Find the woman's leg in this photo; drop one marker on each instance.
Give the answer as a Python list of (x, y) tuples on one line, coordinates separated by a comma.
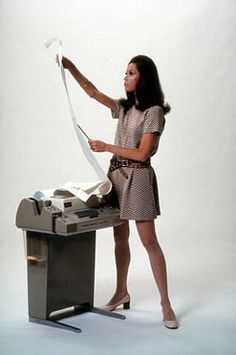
[(147, 233), (122, 256)]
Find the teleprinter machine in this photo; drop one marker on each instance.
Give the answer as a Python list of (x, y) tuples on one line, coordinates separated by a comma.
[(60, 239), (65, 215)]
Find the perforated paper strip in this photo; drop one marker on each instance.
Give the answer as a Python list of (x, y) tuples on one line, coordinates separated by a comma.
[(81, 190)]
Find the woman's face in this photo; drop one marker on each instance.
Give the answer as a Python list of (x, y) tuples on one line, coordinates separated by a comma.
[(131, 78)]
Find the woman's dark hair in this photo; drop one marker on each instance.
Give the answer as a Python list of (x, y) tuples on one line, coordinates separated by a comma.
[(148, 92)]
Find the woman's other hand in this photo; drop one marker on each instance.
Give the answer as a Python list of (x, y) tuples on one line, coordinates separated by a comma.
[(97, 146)]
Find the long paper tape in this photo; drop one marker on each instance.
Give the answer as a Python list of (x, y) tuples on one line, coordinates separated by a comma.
[(78, 130)]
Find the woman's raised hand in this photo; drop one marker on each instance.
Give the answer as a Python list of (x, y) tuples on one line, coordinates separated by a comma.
[(65, 62)]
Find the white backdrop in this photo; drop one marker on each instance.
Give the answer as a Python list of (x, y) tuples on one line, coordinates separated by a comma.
[(193, 44)]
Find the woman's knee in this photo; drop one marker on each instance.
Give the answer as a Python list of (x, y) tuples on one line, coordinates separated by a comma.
[(121, 233), (150, 244), (147, 235)]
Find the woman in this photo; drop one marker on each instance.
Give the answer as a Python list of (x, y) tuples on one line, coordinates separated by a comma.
[(141, 122)]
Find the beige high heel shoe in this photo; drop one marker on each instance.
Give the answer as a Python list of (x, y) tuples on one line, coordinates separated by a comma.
[(170, 323), (124, 300)]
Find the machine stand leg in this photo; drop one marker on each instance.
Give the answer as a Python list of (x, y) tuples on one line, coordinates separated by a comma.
[(103, 312), (78, 309), (87, 308), (55, 324)]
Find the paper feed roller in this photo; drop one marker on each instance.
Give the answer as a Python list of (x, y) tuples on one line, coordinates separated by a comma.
[(43, 216)]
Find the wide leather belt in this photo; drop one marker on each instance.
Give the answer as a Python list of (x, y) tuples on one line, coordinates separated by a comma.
[(127, 163)]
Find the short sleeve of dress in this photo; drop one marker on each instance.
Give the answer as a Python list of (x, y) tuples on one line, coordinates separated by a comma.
[(115, 111), (154, 120)]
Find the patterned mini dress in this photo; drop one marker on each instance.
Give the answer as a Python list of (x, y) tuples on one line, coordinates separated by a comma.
[(137, 189)]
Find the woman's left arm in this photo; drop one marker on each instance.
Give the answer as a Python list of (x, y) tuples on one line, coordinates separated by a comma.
[(141, 153)]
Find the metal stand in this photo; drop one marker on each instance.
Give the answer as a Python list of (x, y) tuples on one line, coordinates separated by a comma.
[(61, 278), (55, 324), (53, 320)]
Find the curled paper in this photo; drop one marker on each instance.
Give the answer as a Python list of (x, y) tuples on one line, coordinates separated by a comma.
[(81, 190)]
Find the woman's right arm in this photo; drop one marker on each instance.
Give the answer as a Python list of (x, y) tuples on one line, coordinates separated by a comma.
[(86, 85)]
